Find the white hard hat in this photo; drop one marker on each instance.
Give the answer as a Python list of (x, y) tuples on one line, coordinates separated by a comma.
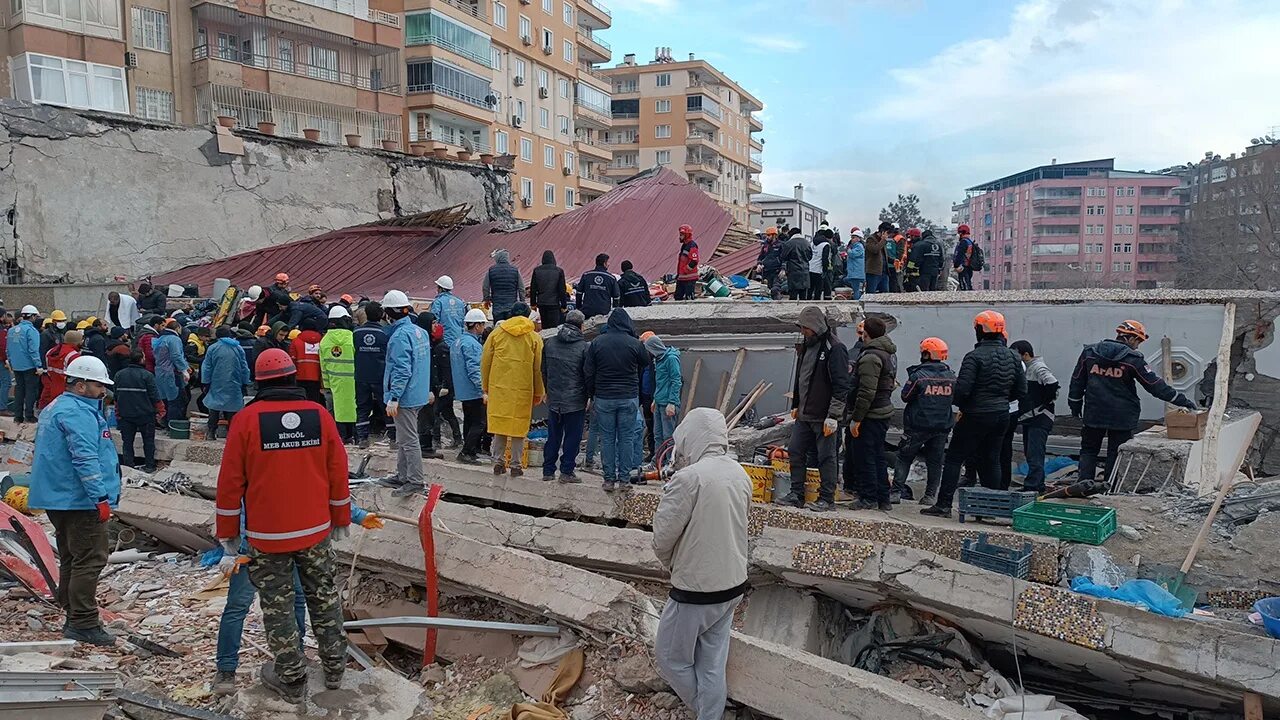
[(476, 315), (29, 310), (395, 299), (445, 282), (337, 311), (88, 367), (255, 292), (856, 233)]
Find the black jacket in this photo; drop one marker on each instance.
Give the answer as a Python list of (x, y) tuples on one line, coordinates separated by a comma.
[(991, 376), (441, 375), (928, 394), (634, 289), (597, 292), (1104, 382), (153, 303), (770, 257), (615, 360), (926, 256), (546, 285), (795, 259), (828, 385), (95, 344), (136, 394), (564, 359), (502, 285), (275, 300)]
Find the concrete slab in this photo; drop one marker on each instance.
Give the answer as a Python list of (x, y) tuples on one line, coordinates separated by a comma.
[(377, 694), (183, 522), (784, 615)]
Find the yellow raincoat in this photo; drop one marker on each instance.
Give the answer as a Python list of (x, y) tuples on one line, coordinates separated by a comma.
[(511, 375)]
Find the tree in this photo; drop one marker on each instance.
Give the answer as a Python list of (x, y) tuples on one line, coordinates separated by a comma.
[(904, 212)]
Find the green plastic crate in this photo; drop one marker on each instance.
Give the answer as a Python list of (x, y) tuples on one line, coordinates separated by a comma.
[(1078, 523)]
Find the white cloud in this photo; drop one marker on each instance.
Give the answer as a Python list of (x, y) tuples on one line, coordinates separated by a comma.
[(775, 43)]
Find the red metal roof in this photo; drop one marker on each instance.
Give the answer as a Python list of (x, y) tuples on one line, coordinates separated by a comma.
[(636, 221), (738, 261)]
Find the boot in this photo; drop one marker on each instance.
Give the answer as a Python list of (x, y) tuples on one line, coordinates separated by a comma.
[(224, 683), (95, 635), (936, 511), (291, 692), (790, 500), (332, 681)]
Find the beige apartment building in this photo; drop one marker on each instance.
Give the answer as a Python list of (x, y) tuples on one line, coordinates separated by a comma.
[(692, 117), (511, 77)]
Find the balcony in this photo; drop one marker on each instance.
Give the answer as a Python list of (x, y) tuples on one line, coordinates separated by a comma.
[(592, 115), (703, 166), (757, 144), (594, 49), (470, 8), (754, 123), (590, 147), (594, 184), (622, 142), (701, 139), (625, 118), (1053, 219), (621, 169), (379, 73), (292, 115), (1057, 201), (755, 163), (594, 76), (754, 187), (595, 14), (431, 84)]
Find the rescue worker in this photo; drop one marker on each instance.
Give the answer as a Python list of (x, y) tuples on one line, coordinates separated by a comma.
[(51, 333), (511, 379), (893, 259), (819, 264), (275, 303), (75, 478), (876, 259), (148, 332), (503, 287), (307, 308), (138, 404), (225, 372), (633, 287), (151, 301), (56, 361), (442, 386), (305, 352), (769, 261), (22, 347), (547, 293), (962, 260), (172, 371), (870, 407), (991, 377), (285, 468), (427, 415), (1104, 394), (468, 386), (795, 255), (686, 265), (448, 308), (855, 264), (338, 370), (370, 341), (122, 310), (927, 419), (95, 339), (406, 387), (818, 396), (598, 291), (1035, 414), (924, 264)]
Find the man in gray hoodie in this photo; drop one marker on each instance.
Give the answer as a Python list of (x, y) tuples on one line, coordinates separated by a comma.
[(700, 535)]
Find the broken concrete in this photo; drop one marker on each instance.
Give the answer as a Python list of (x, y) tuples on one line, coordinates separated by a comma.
[(786, 616), (209, 205), (377, 694)]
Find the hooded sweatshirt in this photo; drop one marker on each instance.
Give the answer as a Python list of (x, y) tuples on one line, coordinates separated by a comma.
[(700, 527), (615, 360), (547, 284), (667, 380), (822, 371)]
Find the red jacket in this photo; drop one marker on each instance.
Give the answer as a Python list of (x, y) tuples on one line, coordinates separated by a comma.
[(148, 355), (285, 463), (305, 351), (55, 380), (687, 266)]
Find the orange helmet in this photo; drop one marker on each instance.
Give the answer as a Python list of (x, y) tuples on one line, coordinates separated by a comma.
[(1134, 328), (646, 335), (771, 231), (271, 364), (934, 347), (686, 232), (989, 321), (282, 277)]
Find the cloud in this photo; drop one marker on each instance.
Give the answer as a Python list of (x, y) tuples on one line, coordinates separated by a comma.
[(775, 43)]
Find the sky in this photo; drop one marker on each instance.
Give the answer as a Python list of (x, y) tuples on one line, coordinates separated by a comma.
[(866, 99)]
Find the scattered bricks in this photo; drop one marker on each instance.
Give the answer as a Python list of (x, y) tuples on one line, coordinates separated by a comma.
[(1062, 614), (831, 559)]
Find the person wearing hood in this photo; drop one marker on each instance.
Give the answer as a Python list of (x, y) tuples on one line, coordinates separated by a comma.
[(818, 397), (795, 255), (511, 379), (503, 287), (700, 536), (406, 387), (686, 265), (269, 336), (151, 301), (991, 377), (468, 387), (448, 308), (633, 287), (225, 373), (925, 262), (95, 339), (1035, 414), (145, 337), (819, 264), (870, 407), (121, 310), (119, 351), (598, 289), (666, 389), (875, 264), (305, 351), (564, 376), (855, 265), (547, 291), (172, 372), (1104, 394), (57, 360), (338, 370), (613, 366)]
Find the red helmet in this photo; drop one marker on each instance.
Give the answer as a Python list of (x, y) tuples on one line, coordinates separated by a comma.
[(913, 233), (686, 232), (989, 321), (437, 332), (963, 230), (934, 347), (273, 363)]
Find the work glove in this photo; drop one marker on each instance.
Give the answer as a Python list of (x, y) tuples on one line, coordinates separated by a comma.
[(793, 413), (431, 398), (393, 408), (231, 563), (1188, 406), (104, 510), (855, 428), (671, 410), (371, 522), (1077, 408), (340, 533), (828, 427)]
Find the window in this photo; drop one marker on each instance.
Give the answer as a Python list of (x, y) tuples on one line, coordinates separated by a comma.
[(500, 15), (433, 76), (543, 80), (1097, 267), (662, 131), (1115, 247), (546, 6), (548, 39), (664, 157), (1119, 192), (284, 54), (1129, 191), (548, 156), (526, 150), (544, 118), (549, 194), (154, 104), (570, 160), (150, 29), (568, 51), (526, 189), (569, 198), (495, 57), (568, 14), (563, 123), (663, 79), (500, 143), (324, 64), (662, 106), (595, 100), (563, 86), (521, 70), (433, 28), (58, 81), (1128, 248), (526, 28), (520, 111), (1117, 229), (100, 18)]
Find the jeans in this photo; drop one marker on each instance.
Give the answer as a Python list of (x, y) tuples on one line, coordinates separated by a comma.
[(806, 438), (692, 649), (371, 414), (815, 286), (664, 426), (927, 282), (82, 554), (146, 428), (474, 421), (895, 280), (616, 418), (239, 600), (877, 284), (873, 469), (214, 417), (976, 438), (684, 289), (6, 381), (856, 285), (1091, 442), (637, 444), (564, 435), (965, 278), (26, 391), (933, 443), (1035, 439), (409, 448)]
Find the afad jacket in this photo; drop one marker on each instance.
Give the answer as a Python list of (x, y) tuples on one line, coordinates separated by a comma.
[(687, 266), (75, 464), (305, 351), (285, 464)]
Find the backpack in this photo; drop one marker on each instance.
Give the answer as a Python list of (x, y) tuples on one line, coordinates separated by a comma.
[(978, 260)]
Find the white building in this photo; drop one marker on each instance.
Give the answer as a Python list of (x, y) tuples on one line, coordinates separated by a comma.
[(791, 211)]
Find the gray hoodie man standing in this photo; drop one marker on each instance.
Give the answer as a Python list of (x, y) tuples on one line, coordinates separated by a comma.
[(700, 535)]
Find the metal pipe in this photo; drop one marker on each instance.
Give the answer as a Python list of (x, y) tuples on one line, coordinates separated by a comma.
[(454, 624)]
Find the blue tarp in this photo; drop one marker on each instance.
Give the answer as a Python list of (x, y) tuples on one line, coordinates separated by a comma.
[(1142, 593)]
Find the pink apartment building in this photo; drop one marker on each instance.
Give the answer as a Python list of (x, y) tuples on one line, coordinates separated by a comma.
[(1082, 224)]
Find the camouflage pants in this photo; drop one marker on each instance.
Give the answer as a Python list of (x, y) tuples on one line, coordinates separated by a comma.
[(272, 574)]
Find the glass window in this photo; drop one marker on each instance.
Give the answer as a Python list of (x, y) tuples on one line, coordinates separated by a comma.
[(284, 54), (664, 157), (595, 100), (549, 194), (324, 63), (563, 86), (59, 81), (565, 127), (500, 15), (662, 131), (500, 143), (520, 68), (150, 29), (570, 160), (154, 104), (495, 57), (568, 51), (568, 14), (546, 6), (548, 156), (526, 189), (548, 39), (663, 79), (526, 149), (519, 108), (526, 27), (432, 28), (570, 198), (543, 79), (662, 106), (435, 76), (544, 118)]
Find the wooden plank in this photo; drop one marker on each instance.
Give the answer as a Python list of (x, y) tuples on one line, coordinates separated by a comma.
[(1252, 706), (693, 387), (724, 382), (1166, 362), (733, 381), (1209, 476)]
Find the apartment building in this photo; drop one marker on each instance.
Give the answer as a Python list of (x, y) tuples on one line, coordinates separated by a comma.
[(692, 117), (1082, 224)]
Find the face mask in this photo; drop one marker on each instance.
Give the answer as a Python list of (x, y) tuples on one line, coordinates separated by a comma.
[(60, 326)]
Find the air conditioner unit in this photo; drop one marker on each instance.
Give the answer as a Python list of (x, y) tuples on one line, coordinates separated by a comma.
[(515, 121), (526, 40), (567, 171), (518, 81), (525, 2), (131, 60), (546, 50), (542, 93), (527, 202)]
